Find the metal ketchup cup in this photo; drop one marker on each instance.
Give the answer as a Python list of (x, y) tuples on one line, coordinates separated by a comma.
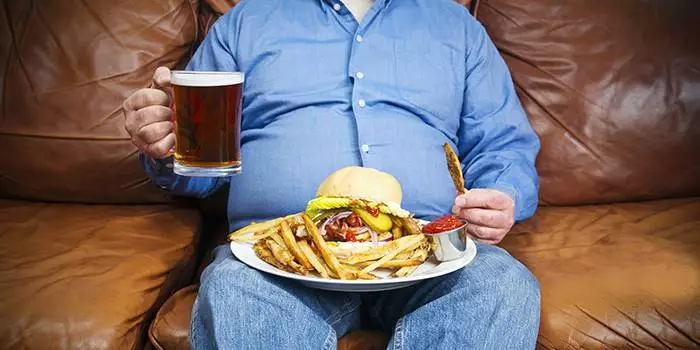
[(449, 245)]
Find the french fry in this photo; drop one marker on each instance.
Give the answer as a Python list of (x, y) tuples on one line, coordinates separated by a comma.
[(397, 231), (278, 239), (410, 226), (359, 273), (291, 243), (254, 228), (283, 256), (403, 255), (264, 253), (269, 232), (305, 248), (362, 236), (323, 248), (377, 252), (295, 220), (257, 227), (412, 243), (394, 263), (405, 271), (276, 242), (331, 273), (410, 257), (454, 167), (421, 253)]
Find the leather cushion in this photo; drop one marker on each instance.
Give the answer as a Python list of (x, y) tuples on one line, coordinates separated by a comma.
[(616, 276), (222, 6), (612, 89), (613, 276), (66, 67), (170, 328), (89, 276)]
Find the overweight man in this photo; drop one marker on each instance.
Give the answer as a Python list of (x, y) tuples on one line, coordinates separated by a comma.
[(381, 84)]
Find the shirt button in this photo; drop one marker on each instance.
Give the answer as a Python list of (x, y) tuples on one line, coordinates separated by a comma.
[(359, 38), (362, 103), (360, 75), (337, 7), (365, 148)]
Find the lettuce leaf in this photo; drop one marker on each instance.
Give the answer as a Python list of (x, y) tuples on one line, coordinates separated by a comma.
[(317, 205)]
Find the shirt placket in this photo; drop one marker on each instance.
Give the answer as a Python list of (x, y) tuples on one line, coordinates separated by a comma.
[(356, 72)]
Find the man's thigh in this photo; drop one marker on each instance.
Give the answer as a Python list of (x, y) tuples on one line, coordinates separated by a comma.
[(239, 302), (494, 279)]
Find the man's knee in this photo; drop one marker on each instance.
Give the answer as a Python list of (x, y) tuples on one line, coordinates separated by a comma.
[(223, 278), (503, 277)]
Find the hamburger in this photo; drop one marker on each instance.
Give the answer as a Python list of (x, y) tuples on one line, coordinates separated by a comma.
[(357, 208)]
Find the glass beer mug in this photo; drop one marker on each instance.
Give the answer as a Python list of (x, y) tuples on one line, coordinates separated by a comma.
[(207, 123)]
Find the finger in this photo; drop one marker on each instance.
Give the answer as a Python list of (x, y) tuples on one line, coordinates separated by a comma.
[(153, 133), (489, 241), (161, 77), (486, 233), (487, 217), (484, 198), (146, 97), (146, 116), (162, 148)]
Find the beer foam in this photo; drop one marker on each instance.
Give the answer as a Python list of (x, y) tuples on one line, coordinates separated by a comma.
[(199, 78)]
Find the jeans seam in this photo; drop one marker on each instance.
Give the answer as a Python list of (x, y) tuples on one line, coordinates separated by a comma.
[(194, 325), (328, 344), (398, 334), (347, 308)]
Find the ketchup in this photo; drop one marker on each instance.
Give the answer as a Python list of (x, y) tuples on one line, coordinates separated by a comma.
[(442, 224), (350, 236), (372, 211)]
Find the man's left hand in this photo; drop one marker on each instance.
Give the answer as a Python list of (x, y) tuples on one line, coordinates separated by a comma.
[(489, 214)]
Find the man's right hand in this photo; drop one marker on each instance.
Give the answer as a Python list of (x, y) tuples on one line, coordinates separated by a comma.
[(149, 117)]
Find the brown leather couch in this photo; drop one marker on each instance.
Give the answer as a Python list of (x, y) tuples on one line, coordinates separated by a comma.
[(93, 256)]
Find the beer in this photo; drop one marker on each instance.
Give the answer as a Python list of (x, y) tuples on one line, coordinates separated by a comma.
[(208, 122)]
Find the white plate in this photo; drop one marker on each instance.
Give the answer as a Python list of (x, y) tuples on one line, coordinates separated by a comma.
[(429, 269)]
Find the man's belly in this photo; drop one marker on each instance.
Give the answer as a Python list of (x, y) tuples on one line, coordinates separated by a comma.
[(284, 163)]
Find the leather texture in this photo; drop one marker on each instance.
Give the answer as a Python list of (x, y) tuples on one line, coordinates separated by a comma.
[(66, 67), (612, 90), (221, 6), (89, 276), (170, 328), (618, 276)]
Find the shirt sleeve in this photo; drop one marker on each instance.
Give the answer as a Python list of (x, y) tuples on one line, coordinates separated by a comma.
[(214, 54), (496, 142)]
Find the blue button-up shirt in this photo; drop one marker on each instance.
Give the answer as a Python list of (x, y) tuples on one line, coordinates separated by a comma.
[(323, 91)]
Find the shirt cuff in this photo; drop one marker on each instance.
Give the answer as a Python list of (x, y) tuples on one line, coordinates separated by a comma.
[(160, 171), (509, 190)]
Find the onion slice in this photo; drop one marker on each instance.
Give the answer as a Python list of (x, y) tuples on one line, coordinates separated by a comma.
[(341, 215), (373, 234)]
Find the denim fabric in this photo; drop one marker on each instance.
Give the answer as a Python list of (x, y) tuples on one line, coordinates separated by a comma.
[(493, 303)]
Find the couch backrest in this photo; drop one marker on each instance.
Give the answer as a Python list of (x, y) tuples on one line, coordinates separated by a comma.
[(221, 6), (66, 68), (613, 89)]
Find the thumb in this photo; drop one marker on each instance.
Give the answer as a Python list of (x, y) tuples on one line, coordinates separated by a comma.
[(161, 78)]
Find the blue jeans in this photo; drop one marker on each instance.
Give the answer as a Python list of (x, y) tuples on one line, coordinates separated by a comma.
[(494, 303)]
